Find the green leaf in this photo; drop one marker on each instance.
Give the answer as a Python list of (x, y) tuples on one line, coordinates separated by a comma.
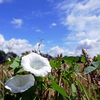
[(83, 59), (76, 68), (79, 74), (89, 69), (96, 64), (98, 57), (17, 59), (1, 97), (73, 88), (58, 88), (16, 70), (68, 60), (21, 70), (10, 97), (29, 94), (55, 63), (14, 64), (84, 98)]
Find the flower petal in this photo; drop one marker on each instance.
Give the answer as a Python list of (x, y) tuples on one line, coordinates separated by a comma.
[(36, 64), (20, 83)]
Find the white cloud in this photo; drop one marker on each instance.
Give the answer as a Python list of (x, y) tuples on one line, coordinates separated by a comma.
[(38, 30), (77, 36), (1, 38), (92, 46), (37, 47), (18, 46), (82, 18), (81, 34), (1, 1), (49, 41), (53, 24), (87, 44), (17, 22), (54, 51)]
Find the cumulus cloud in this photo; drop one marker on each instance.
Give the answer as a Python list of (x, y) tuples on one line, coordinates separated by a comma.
[(1, 38), (17, 22), (39, 46), (81, 34), (2, 1), (38, 30), (81, 16), (18, 46), (87, 44), (91, 45), (54, 51), (53, 24)]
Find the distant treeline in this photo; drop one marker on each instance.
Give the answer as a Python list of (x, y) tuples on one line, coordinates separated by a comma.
[(4, 56)]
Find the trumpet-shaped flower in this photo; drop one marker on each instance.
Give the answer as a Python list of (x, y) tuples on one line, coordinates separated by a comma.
[(20, 83), (36, 64)]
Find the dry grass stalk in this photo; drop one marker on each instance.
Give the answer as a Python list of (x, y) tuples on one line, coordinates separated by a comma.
[(87, 57), (79, 93), (48, 94), (89, 62), (3, 81), (91, 77)]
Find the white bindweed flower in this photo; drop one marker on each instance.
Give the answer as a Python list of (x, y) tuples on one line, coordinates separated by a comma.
[(20, 83), (36, 64)]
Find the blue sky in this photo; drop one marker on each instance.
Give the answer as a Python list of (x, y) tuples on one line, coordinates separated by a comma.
[(66, 26)]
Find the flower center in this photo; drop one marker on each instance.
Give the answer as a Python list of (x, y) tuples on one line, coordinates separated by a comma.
[(36, 65)]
